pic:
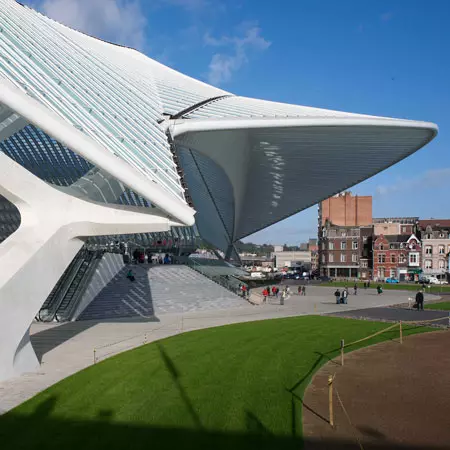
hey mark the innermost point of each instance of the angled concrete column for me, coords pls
(53, 225)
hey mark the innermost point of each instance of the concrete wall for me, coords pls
(108, 268)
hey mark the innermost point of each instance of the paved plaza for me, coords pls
(67, 348)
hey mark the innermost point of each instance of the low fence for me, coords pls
(182, 324)
(332, 391)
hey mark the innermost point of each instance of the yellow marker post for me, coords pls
(95, 358)
(401, 333)
(342, 351)
(330, 400)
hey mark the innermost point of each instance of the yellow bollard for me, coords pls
(95, 358)
(342, 351)
(145, 338)
(330, 400)
(401, 333)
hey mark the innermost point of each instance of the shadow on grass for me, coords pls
(175, 375)
(41, 430)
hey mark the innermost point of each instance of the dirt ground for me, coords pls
(396, 396)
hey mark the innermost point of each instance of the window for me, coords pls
(413, 259)
(393, 273)
(331, 257)
(428, 250)
(343, 257)
(381, 272)
(442, 250)
(402, 259)
(343, 245)
(442, 264)
(393, 259)
(428, 264)
(354, 257)
(392, 246)
(441, 235)
(354, 245)
(364, 264)
(331, 245)
(381, 258)
(403, 229)
(343, 233)
(381, 247)
(429, 236)
(323, 259)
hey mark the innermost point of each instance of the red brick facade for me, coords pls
(396, 257)
(346, 210)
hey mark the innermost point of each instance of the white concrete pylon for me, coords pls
(53, 225)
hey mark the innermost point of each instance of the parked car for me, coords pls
(391, 280)
(324, 279)
(430, 280)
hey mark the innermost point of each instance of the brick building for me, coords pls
(346, 252)
(397, 256)
(337, 214)
(390, 226)
(346, 210)
(435, 235)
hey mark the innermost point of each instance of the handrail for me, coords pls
(67, 279)
(87, 276)
(62, 292)
(228, 281)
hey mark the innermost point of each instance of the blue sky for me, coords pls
(380, 57)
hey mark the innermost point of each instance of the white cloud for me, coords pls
(224, 64)
(119, 21)
(430, 179)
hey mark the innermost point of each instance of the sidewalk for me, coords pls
(68, 348)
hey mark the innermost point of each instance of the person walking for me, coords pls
(283, 296)
(274, 291)
(379, 289)
(299, 290)
(337, 294)
(265, 293)
(304, 290)
(355, 289)
(419, 300)
(277, 291)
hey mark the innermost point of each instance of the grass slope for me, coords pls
(237, 386)
(442, 306)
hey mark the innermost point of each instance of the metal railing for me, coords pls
(219, 272)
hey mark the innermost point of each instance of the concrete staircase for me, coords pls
(158, 289)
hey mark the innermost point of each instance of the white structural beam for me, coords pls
(56, 127)
(53, 225)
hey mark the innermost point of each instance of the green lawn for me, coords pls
(433, 289)
(443, 306)
(238, 386)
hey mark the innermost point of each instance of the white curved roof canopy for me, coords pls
(248, 163)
